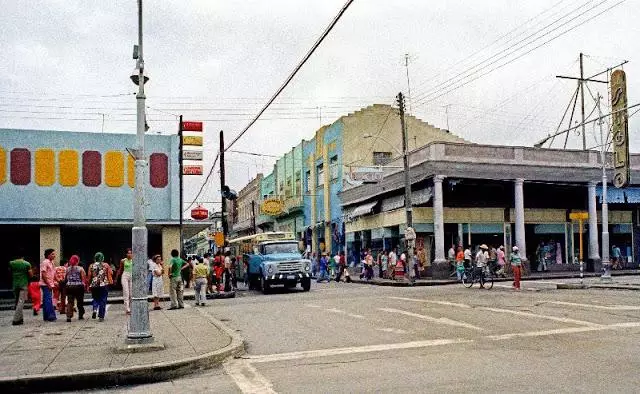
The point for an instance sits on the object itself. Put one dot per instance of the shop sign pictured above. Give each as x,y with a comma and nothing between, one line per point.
191,126
191,155
192,170
192,140
579,215
620,129
366,174
272,207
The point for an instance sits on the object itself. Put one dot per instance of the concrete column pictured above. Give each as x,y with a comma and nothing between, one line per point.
519,208
460,240
312,192
50,238
440,268
594,255
327,200
170,241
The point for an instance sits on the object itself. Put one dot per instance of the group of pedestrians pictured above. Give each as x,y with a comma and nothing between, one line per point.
486,258
327,268
59,289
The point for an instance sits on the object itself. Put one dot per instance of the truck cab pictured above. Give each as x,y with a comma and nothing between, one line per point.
277,263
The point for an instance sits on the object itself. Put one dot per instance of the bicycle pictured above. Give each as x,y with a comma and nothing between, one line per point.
483,276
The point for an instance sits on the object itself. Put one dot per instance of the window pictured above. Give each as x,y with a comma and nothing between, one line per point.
333,165
287,190
298,186
320,178
381,158
307,180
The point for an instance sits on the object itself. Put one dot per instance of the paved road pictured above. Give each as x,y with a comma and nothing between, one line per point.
358,338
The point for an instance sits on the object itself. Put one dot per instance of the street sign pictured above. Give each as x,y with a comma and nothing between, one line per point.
620,129
192,170
366,174
219,239
191,126
579,215
191,155
192,140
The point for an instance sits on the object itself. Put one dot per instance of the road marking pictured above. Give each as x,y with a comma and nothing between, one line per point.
246,377
312,306
606,307
500,310
341,312
538,316
353,350
447,303
511,287
439,320
393,330
267,358
557,331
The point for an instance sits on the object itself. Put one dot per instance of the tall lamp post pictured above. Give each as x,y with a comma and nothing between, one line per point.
138,330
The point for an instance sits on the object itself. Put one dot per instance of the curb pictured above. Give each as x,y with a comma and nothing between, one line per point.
444,282
578,286
111,377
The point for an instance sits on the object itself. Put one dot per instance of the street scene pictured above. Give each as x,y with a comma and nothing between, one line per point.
305,196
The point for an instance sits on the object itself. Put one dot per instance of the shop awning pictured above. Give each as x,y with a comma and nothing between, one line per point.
633,195
363,209
614,195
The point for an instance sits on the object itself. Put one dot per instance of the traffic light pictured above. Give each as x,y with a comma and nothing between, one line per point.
228,193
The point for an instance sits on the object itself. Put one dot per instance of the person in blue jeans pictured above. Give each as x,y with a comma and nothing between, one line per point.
47,284
100,277
322,269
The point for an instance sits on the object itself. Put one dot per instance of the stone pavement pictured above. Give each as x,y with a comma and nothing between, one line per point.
40,356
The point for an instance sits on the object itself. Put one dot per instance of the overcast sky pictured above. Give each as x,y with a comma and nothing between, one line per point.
484,68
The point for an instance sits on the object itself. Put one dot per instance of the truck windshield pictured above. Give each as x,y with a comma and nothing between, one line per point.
288,247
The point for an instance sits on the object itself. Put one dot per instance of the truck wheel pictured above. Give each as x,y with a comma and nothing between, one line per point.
266,288
306,284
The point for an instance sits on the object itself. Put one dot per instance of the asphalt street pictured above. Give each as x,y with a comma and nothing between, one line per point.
359,338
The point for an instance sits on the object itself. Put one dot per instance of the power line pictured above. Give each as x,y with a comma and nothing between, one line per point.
295,71
430,97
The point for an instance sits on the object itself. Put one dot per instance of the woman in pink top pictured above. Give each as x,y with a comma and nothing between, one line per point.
47,284
501,261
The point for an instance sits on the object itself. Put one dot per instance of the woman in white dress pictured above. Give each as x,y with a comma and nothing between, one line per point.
156,284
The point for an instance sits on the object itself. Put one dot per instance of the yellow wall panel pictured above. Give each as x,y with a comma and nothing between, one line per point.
114,168
68,167
45,167
131,172
3,166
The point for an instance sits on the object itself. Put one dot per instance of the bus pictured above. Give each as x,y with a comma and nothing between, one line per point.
272,258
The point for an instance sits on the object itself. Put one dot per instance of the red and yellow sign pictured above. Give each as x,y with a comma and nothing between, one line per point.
192,140
272,207
191,126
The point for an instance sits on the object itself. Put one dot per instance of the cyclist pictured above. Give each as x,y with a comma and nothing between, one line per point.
482,257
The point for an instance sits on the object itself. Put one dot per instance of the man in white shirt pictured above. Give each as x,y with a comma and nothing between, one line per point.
467,257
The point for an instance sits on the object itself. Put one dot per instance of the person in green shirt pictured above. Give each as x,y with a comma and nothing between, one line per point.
21,272
516,263
176,289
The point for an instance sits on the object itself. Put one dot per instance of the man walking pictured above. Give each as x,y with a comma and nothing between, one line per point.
20,271
516,262
200,275
176,291
47,284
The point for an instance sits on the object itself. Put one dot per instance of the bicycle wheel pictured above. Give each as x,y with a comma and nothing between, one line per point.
467,279
486,281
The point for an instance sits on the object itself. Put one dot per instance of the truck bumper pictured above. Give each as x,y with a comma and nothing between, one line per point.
287,278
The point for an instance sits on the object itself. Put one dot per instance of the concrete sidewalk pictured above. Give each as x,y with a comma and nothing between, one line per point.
533,276
39,356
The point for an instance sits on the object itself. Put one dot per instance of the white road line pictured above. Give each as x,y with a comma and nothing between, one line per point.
510,287
353,350
570,330
538,316
447,303
267,358
439,320
500,310
392,330
312,306
606,307
246,377
341,312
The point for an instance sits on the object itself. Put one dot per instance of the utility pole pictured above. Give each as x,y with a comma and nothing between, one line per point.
180,166
138,329
584,133
606,275
407,187
406,66
225,223
253,216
